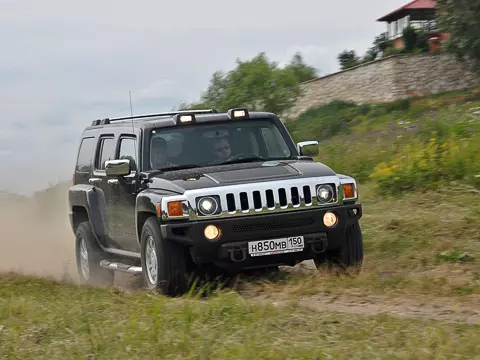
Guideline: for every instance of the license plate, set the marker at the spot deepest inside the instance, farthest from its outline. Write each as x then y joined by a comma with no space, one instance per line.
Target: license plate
276,246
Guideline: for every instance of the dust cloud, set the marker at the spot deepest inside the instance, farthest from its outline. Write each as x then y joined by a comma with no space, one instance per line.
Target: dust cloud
35,235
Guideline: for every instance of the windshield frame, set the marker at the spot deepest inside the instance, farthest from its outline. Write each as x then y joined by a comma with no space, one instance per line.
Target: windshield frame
283,133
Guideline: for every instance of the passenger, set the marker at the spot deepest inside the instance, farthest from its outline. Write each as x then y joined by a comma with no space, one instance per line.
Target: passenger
158,154
221,149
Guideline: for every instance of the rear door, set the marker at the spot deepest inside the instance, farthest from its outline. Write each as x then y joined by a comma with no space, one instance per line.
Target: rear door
105,151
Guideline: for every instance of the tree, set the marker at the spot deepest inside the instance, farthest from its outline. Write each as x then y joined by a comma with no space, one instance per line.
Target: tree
302,71
410,39
348,59
258,84
461,19
380,43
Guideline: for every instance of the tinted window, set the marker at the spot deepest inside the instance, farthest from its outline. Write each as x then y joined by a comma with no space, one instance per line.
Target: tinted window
210,144
274,142
128,151
85,154
107,152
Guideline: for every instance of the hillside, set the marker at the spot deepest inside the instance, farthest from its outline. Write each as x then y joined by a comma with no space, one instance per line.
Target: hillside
403,145
418,297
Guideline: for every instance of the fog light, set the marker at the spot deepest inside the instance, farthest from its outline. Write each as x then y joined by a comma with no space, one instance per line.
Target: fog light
330,219
212,232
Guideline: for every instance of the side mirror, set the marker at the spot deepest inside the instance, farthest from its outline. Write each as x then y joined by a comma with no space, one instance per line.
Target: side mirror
308,148
117,167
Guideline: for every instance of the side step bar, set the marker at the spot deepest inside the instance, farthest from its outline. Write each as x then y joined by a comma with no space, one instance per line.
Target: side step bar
130,269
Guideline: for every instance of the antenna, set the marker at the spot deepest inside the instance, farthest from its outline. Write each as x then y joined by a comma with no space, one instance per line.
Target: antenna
130,96
133,132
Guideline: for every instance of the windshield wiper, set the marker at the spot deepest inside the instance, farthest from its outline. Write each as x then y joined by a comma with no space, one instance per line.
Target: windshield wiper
243,160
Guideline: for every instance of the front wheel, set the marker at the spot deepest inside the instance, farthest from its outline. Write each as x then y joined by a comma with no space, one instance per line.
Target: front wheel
164,263
349,258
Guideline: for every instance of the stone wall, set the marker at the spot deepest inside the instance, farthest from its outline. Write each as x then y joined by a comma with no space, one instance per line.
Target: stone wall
387,79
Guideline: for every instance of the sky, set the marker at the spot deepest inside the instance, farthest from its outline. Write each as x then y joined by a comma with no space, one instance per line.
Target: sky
64,64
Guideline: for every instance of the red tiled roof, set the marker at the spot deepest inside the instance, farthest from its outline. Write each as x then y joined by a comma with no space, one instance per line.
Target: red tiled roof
413,5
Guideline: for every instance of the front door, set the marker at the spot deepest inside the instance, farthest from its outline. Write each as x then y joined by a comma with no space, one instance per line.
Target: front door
124,190
105,151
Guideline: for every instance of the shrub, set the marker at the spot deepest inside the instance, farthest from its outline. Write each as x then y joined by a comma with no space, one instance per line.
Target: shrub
324,121
410,38
421,166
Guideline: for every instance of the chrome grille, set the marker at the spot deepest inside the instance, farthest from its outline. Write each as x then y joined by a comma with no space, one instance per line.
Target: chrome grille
260,198
268,199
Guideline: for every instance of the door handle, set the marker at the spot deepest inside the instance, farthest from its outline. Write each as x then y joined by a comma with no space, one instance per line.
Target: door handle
94,180
112,181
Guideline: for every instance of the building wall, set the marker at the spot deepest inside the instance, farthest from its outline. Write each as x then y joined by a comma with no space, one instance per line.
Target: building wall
387,79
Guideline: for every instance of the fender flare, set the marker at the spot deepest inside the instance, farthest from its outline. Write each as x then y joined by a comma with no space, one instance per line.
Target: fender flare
92,200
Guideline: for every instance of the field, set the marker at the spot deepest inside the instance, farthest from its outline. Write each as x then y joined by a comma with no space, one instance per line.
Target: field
417,298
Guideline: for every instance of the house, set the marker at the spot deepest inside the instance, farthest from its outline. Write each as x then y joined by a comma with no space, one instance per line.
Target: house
419,14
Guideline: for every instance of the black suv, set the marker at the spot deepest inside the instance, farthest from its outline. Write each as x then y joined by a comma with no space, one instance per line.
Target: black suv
162,195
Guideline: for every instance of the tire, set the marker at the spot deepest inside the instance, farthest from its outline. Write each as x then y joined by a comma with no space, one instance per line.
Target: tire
349,258
167,269
88,257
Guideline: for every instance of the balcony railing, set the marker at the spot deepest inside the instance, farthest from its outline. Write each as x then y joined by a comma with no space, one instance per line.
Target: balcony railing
428,26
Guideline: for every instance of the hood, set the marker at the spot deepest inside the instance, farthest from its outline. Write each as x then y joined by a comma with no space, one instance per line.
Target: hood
213,176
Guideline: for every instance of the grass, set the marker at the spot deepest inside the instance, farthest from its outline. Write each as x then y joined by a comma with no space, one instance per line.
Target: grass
415,143
417,245
415,256
422,266
46,320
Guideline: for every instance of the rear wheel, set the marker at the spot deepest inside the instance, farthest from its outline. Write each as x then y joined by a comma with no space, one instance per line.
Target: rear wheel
349,258
88,256
165,264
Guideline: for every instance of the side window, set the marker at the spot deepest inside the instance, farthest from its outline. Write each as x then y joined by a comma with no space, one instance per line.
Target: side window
85,154
106,152
128,150
274,142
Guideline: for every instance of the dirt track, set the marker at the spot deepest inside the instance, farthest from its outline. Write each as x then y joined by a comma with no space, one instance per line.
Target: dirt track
39,242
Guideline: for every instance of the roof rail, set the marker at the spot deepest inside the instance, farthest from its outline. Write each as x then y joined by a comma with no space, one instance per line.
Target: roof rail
170,113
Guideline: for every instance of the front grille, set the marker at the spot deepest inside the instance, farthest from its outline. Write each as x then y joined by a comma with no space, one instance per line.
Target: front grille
262,197
273,225
269,198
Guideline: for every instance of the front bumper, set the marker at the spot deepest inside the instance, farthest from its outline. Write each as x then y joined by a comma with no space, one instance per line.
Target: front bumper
231,250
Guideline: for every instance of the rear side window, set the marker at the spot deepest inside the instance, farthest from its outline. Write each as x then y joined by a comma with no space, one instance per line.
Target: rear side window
85,154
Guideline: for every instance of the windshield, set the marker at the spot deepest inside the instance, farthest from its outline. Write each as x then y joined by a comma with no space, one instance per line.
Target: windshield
214,144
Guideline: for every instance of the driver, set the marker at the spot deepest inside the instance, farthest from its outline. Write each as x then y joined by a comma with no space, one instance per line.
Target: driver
158,154
221,149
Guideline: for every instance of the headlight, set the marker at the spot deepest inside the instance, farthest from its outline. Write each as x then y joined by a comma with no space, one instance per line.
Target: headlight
325,193
207,206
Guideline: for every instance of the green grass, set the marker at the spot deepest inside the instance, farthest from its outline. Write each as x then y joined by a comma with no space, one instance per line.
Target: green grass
46,320
405,145
422,252
417,245
413,258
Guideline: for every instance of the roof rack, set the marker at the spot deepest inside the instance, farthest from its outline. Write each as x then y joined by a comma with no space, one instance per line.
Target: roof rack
170,113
